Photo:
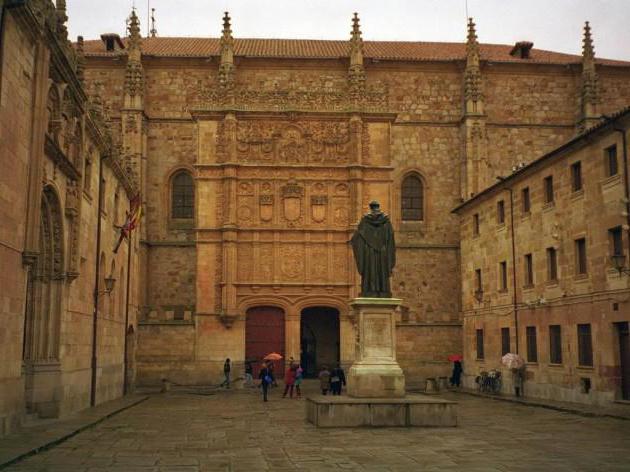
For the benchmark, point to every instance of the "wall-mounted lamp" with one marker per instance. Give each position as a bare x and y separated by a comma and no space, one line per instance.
110,283
619,263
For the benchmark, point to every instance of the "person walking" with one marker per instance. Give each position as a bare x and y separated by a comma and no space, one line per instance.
289,380
226,372
324,380
270,367
299,375
266,379
337,379
456,377
249,371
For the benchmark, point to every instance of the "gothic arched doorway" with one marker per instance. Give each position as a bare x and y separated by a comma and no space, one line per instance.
264,333
43,310
319,339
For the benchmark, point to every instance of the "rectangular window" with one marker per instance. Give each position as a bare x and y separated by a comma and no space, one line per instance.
580,256
87,175
480,344
526,200
476,224
501,212
478,283
101,196
585,345
616,241
503,276
505,341
529,270
555,344
552,264
576,176
548,183
611,160
532,348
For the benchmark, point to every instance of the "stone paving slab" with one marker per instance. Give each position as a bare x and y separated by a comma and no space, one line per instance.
619,410
234,431
36,438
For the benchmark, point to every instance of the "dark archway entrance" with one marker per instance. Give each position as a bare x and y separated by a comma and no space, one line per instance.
319,339
264,333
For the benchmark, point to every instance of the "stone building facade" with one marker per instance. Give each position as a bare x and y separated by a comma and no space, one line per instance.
56,155
545,271
259,156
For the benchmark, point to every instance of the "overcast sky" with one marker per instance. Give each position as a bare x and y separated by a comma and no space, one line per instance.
549,24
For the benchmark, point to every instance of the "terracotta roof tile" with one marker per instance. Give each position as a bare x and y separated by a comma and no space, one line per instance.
325,49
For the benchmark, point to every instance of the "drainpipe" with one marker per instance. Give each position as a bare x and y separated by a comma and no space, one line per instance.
515,301
513,238
125,366
625,179
97,274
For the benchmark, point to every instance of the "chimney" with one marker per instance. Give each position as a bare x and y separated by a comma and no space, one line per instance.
521,49
112,42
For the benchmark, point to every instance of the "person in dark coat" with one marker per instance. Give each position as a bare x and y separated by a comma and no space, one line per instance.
266,378
226,372
456,377
337,380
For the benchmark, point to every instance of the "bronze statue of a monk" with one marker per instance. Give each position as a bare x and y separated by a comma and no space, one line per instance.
374,252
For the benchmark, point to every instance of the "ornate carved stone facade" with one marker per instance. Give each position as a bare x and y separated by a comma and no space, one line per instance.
287,142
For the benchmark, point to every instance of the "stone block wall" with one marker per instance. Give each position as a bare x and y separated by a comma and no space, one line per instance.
597,297
16,83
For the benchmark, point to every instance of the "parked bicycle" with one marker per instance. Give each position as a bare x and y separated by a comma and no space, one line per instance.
489,382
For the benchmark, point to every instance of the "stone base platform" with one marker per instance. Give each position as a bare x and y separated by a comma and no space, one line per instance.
412,410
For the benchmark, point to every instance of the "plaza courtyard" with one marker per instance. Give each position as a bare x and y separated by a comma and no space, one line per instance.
234,430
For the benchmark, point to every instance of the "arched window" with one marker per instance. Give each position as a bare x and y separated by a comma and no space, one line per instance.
182,196
412,198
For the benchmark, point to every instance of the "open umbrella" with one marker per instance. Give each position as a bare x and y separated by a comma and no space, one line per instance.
455,357
512,361
273,356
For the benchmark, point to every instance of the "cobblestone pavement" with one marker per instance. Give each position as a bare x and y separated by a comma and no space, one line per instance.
235,430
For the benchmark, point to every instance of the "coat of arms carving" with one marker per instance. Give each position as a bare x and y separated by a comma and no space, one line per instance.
266,207
292,195
319,204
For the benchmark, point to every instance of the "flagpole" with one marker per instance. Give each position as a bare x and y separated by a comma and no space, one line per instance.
126,353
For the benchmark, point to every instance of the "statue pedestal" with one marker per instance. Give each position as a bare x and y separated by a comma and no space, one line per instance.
375,373
376,383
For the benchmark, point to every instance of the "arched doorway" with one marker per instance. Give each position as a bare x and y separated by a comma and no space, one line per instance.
43,311
319,339
264,333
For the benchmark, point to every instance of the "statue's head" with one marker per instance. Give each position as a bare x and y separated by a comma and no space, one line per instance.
375,206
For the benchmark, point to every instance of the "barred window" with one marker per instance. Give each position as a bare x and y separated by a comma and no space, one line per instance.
505,341
480,354
585,345
532,349
182,196
412,199
555,344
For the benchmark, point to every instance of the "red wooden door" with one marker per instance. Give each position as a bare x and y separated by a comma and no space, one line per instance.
264,333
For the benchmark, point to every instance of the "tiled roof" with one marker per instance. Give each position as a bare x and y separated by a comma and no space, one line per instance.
324,49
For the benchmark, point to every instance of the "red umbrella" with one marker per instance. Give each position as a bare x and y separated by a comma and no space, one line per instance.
455,357
273,356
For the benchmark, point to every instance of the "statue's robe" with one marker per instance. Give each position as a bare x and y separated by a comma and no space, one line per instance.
375,254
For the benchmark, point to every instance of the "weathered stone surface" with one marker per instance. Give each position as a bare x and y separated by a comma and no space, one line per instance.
413,410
